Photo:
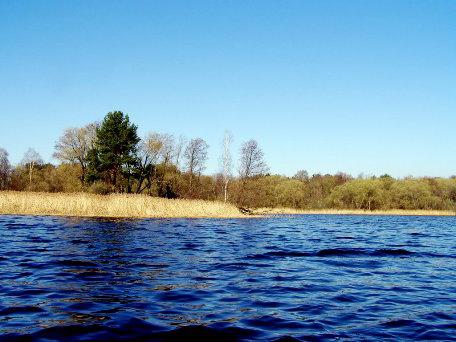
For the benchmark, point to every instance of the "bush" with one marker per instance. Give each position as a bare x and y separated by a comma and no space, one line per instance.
99,188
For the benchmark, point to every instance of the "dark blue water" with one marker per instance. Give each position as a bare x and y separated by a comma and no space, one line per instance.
301,277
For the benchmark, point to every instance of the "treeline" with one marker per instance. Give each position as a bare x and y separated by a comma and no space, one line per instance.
109,157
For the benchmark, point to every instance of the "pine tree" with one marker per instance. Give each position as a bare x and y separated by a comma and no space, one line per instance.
114,157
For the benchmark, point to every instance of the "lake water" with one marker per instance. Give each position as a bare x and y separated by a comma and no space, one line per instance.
301,277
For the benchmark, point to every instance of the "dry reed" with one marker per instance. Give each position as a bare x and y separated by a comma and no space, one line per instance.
391,212
115,206
142,206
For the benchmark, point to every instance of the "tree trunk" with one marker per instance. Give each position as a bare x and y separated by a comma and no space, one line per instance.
226,190
30,175
83,173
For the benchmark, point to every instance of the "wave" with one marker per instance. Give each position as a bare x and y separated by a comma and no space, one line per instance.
333,252
136,329
75,263
20,310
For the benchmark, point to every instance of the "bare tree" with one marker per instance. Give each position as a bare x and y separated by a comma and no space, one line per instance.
145,169
156,148
301,175
30,161
252,162
5,169
196,156
74,145
179,149
152,146
226,161
168,148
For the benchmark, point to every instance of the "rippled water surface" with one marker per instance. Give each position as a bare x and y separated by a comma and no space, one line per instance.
302,277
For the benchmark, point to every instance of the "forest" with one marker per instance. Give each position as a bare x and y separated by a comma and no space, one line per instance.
109,157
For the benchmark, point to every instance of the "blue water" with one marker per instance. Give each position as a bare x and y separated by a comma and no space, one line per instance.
301,277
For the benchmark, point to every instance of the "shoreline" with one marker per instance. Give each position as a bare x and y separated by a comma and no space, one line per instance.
359,212
133,206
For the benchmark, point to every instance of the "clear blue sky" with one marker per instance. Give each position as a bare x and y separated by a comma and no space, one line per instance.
327,86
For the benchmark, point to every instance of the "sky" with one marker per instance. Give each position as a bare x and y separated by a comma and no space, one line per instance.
326,86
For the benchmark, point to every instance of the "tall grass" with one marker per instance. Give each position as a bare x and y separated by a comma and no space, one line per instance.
391,212
116,205
142,206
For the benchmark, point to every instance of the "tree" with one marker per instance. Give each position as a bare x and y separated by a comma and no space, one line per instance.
151,146
226,161
159,147
178,150
168,148
145,168
114,155
157,150
74,146
252,163
196,156
301,175
30,160
5,169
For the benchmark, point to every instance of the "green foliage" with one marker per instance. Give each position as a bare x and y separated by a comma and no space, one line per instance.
99,188
414,194
367,194
114,156
47,178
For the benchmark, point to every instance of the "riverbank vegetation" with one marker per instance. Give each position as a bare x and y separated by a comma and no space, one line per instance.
110,158
112,206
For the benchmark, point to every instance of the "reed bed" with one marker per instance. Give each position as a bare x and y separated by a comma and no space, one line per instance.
392,212
142,206
114,206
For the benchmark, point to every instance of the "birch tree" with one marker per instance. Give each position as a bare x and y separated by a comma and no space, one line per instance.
226,161
5,169
30,161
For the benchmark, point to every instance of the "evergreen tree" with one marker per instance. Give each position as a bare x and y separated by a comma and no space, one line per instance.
114,156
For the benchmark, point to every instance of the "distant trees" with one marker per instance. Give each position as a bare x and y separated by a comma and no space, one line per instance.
301,175
30,160
5,169
110,157
74,146
114,155
367,194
